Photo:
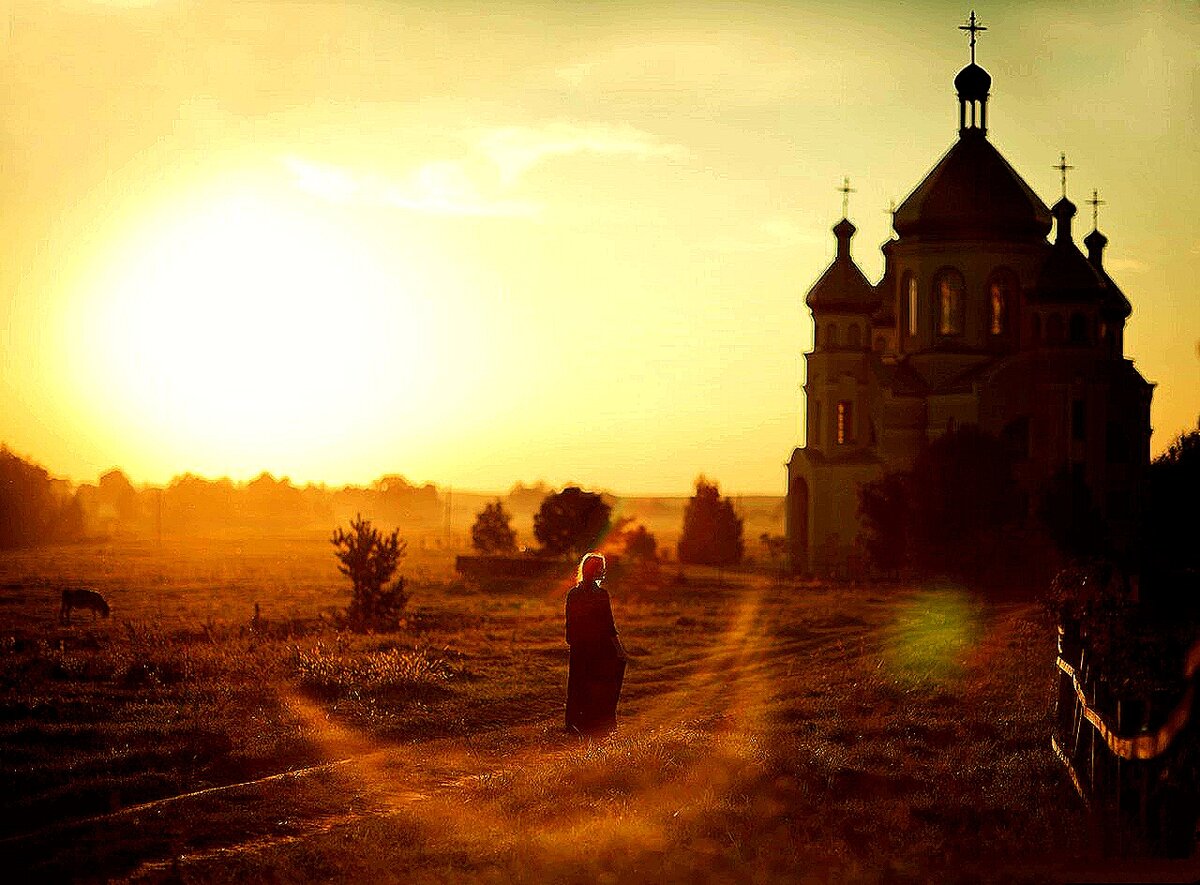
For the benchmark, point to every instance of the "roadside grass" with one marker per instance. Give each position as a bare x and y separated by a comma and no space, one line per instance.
769,731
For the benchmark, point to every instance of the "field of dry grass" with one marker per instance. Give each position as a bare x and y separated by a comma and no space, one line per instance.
769,730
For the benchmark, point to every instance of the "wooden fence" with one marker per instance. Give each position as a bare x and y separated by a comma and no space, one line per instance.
1134,760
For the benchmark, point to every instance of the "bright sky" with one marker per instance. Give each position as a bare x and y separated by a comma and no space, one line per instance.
476,243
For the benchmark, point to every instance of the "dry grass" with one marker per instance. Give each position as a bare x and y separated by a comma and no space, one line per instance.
768,731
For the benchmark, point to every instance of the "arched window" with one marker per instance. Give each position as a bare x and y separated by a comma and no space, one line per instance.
1054,329
948,302
831,335
1078,329
880,343
1002,302
910,286
844,427
854,335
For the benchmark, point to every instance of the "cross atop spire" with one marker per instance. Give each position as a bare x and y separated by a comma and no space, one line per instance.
1096,203
846,192
1063,167
974,27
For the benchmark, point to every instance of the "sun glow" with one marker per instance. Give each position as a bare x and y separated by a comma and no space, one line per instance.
247,331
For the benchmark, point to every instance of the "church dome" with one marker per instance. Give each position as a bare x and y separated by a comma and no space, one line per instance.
973,82
843,287
973,193
1068,277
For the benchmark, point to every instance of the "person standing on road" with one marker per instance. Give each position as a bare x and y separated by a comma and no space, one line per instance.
597,665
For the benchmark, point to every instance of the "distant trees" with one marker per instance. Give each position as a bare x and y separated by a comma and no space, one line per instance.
712,530
369,558
571,521
641,545
492,531
34,509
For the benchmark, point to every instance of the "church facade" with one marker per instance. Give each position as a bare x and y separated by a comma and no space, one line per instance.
979,319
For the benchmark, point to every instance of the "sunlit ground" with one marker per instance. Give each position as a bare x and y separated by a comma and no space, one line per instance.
769,731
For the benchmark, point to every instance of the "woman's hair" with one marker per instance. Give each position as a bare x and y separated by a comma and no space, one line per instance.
591,567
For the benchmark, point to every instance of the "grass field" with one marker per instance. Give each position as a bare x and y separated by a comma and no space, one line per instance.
769,730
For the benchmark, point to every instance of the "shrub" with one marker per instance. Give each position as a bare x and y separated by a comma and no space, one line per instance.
369,559
492,531
571,521
712,531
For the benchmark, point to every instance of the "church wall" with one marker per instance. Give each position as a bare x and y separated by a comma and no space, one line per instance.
976,262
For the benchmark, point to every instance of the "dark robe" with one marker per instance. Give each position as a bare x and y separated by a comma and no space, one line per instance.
597,661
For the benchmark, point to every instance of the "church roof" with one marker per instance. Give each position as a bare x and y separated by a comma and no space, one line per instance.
843,286
973,193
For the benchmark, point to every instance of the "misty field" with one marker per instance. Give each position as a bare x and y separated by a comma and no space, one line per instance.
770,730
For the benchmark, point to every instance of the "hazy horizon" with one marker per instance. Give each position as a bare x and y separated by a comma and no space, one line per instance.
513,240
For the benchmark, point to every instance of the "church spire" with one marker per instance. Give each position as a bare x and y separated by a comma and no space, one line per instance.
973,84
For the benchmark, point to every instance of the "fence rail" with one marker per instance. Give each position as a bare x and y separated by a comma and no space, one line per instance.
1144,780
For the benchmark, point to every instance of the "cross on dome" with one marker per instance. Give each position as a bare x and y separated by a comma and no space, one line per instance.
1096,203
974,27
1063,167
846,192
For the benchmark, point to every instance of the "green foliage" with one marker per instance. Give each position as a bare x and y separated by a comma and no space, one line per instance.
369,558
571,521
712,531
1071,518
958,513
885,510
1169,532
492,531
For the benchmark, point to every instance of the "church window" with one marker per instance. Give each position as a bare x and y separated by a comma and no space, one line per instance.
1078,419
1002,301
880,343
831,335
948,289
913,301
855,335
1078,329
845,423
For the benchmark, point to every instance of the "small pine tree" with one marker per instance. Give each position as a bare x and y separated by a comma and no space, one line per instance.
369,558
712,530
492,531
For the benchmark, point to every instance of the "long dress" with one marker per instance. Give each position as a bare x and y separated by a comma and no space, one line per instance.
597,666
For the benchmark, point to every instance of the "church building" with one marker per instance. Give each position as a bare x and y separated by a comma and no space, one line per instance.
980,320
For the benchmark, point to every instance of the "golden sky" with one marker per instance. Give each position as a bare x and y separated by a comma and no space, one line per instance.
476,243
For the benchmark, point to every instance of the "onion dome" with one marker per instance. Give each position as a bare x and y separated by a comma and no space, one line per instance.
1115,303
1068,277
973,193
885,314
843,287
973,83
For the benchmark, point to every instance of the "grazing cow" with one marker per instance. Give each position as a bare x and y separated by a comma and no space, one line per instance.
80,597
